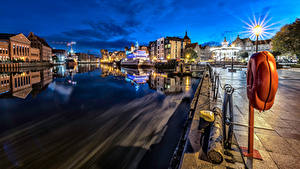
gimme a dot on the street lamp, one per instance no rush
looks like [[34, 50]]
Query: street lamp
[[257, 30]]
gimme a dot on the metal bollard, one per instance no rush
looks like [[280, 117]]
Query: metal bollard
[[228, 104]]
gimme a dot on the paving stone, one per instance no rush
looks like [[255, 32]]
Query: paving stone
[[276, 144], [286, 161]]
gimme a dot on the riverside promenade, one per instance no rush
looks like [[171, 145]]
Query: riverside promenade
[[277, 131]]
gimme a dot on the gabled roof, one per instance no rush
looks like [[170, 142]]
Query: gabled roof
[[43, 41]]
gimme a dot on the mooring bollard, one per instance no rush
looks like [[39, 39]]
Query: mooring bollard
[[215, 143], [227, 104]]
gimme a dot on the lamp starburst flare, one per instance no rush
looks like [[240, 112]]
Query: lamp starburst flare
[[258, 27]]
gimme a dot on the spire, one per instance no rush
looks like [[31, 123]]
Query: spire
[[186, 33]]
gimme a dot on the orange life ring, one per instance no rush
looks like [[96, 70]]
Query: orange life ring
[[262, 80]]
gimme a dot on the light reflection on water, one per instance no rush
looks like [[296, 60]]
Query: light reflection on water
[[88, 115]]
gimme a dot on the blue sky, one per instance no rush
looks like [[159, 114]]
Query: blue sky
[[113, 24]]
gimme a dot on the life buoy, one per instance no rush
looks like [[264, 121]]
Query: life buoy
[[262, 80]]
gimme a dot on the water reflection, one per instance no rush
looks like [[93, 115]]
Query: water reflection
[[169, 84], [21, 84], [87, 117]]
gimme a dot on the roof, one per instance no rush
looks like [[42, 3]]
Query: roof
[[6, 35], [186, 37], [192, 45], [43, 41], [174, 38], [249, 40]]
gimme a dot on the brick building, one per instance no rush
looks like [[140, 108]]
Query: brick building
[[17, 47], [42, 45]]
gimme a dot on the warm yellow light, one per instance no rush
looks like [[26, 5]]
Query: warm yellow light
[[187, 56], [257, 30]]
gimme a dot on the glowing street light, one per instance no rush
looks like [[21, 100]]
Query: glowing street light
[[257, 28]]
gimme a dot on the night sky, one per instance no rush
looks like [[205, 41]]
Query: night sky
[[113, 24]]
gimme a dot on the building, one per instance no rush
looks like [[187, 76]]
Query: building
[[4, 56], [104, 55], [167, 48], [42, 45], [17, 47], [59, 55], [249, 46], [225, 52], [35, 54], [238, 48]]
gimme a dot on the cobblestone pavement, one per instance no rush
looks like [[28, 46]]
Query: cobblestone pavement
[[277, 136]]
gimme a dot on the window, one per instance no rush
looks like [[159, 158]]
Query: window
[[14, 49], [0, 51], [15, 82], [6, 51]]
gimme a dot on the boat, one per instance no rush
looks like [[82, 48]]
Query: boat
[[137, 58]]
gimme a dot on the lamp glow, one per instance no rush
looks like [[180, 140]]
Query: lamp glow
[[257, 30]]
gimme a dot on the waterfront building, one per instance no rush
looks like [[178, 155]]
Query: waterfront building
[[205, 53], [60, 55], [4, 54], [238, 48], [249, 46], [225, 52], [152, 50], [167, 48], [42, 45], [104, 55], [17, 47], [83, 57], [35, 54]]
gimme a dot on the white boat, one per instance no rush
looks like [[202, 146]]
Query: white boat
[[137, 58]]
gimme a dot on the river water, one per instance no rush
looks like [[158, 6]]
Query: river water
[[91, 116]]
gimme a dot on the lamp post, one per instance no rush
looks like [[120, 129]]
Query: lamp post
[[257, 30]]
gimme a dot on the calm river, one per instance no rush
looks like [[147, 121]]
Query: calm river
[[91, 116]]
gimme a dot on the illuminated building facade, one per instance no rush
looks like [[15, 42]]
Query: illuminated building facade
[[248, 46], [17, 47], [42, 45], [60, 55], [35, 54], [167, 48], [225, 52], [4, 55]]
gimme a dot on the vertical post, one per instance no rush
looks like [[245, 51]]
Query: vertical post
[[251, 131], [256, 43], [232, 63]]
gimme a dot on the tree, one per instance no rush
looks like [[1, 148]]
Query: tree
[[287, 40], [190, 54]]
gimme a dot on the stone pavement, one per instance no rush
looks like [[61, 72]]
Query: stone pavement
[[194, 156], [277, 136]]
